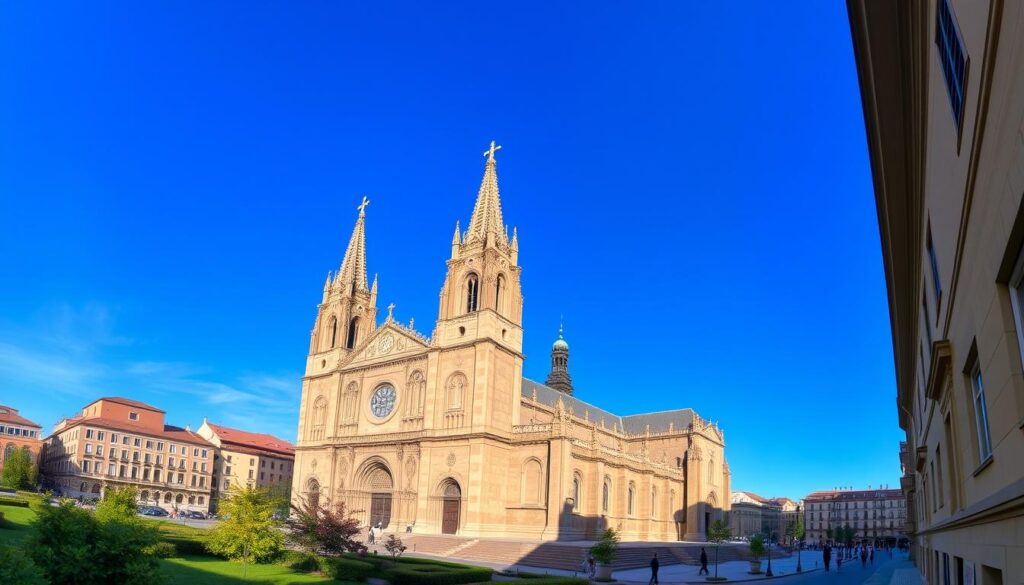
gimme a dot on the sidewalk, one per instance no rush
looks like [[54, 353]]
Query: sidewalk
[[734, 570]]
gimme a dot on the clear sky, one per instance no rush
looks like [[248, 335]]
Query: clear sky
[[689, 181]]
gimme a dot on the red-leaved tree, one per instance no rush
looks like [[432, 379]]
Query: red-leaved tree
[[320, 527]]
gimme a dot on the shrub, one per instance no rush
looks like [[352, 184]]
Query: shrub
[[417, 574], [163, 550], [300, 561], [607, 547], [186, 547], [319, 527], [15, 502], [118, 504], [16, 567], [394, 546], [342, 569], [250, 532]]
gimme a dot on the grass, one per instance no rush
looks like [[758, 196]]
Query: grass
[[214, 571], [14, 528]]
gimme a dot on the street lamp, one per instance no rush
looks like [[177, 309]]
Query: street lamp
[[769, 573], [796, 532]]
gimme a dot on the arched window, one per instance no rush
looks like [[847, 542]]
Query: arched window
[[606, 494], [499, 289], [711, 471], [472, 293], [654, 502], [319, 418], [333, 328], [353, 331], [178, 499], [576, 493], [313, 493], [167, 498], [454, 390], [629, 498], [533, 480]]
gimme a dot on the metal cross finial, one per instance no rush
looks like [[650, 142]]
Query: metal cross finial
[[362, 206], [489, 153], [391, 309]]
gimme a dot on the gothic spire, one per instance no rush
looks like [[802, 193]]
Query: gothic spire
[[352, 274], [487, 210]]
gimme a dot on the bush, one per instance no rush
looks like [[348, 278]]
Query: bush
[[15, 502], [186, 547], [300, 561], [341, 569], [436, 574], [163, 550], [15, 567]]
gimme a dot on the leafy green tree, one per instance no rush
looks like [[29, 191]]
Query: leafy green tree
[[19, 471], [321, 528], [249, 531], [71, 545], [607, 546], [15, 567], [718, 533], [281, 491], [118, 504]]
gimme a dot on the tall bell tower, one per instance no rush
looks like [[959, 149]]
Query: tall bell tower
[[347, 314], [481, 296]]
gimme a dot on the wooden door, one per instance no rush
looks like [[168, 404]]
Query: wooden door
[[450, 517], [380, 510]]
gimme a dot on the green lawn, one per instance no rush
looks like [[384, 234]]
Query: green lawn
[[212, 571], [14, 528]]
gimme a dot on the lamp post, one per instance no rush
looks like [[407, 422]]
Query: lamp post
[[769, 573], [796, 532]]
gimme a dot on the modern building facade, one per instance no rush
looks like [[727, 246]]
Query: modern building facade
[[245, 459], [877, 517], [942, 84], [442, 434], [17, 432], [118, 442]]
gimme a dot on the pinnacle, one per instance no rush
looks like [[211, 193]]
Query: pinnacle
[[352, 274], [487, 217]]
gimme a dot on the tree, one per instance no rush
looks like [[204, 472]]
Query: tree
[[19, 470], [718, 533], [319, 527], [607, 546], [15, 567], [71, 545], [394, 546], [249, 531], [118, 504], [757, 547]]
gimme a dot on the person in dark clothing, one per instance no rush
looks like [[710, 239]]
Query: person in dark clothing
[[654, 570], [826, 554], [863, 557], [703, 562]]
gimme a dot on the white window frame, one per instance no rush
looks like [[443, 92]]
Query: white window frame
[[983, 436]]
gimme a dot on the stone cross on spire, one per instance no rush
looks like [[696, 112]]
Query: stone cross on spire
[[362, 206], [489, 153]]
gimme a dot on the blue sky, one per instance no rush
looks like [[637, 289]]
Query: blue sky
[[689, 181]]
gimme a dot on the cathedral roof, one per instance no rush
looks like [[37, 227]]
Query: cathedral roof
[[633, 424]]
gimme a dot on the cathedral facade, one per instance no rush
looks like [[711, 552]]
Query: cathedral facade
[[444, 435]]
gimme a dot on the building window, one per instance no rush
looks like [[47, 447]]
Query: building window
[[499, 290], [934, 262], [980, 414], [952, 58], [630, 493], [605, 495], [353, 332], [472, 293], [334, 331], [133, 416], [575, 494]]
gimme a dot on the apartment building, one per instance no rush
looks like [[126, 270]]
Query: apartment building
[[942, 86], [247, 459], [17, 432], [877, 516], [118, 442]]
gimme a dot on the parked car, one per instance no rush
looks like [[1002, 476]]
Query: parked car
[[195, 515], [153, 511]]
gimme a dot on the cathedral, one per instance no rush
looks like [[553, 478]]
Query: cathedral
[[444, 435]]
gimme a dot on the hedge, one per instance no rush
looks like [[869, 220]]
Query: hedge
[[163, 550], [436, 574], [300, 561], [16, 502], [186, 547], [346, 569]]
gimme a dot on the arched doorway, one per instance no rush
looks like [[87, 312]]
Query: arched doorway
[[451, 504], [380, 485]]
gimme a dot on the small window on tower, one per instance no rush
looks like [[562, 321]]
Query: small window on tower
[[472, 293], [499, 290], [353, 330], [334, 331]]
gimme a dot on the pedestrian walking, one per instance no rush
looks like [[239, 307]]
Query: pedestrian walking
[[654, 570], [591, 566], [826, 555], [863, 557], [703, 562], [369, 538], [872, 555]]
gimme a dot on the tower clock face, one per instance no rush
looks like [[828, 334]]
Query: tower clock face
[[383, 401]]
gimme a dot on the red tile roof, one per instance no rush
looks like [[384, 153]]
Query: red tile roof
[[10, 415], [126, 402], [169, 432], [235, 437]]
